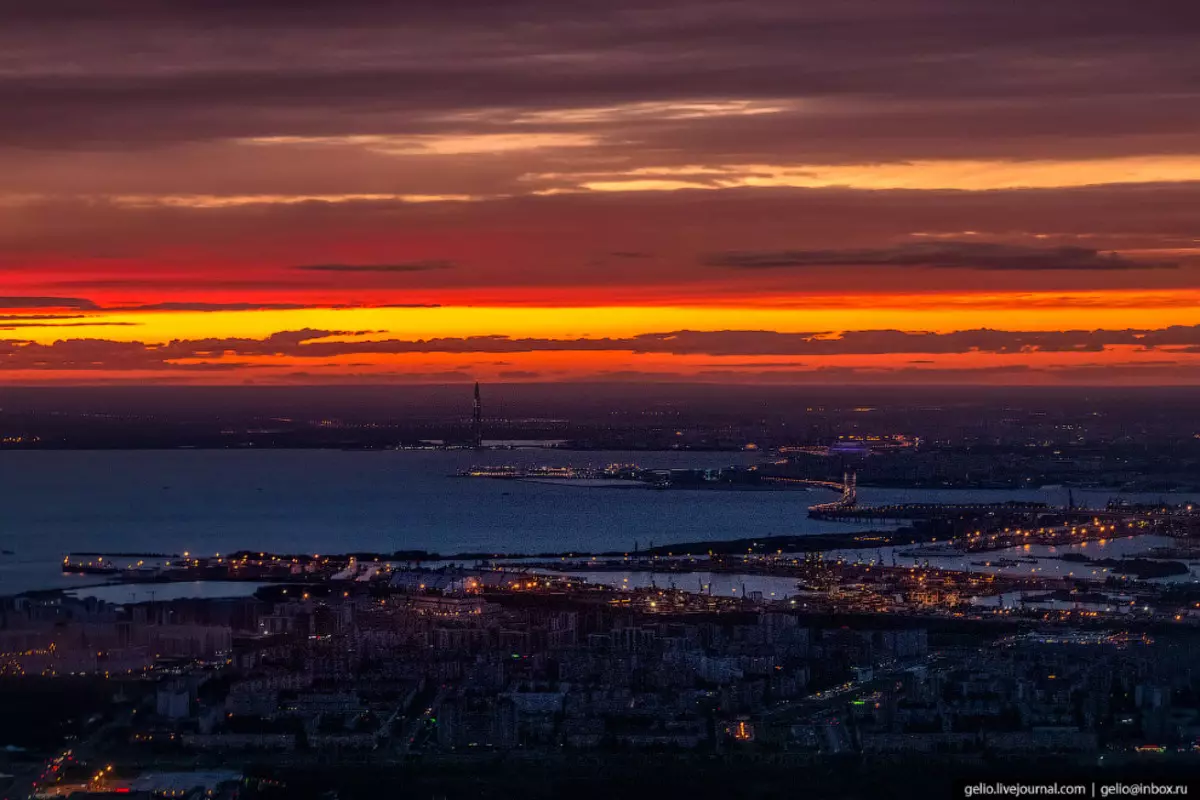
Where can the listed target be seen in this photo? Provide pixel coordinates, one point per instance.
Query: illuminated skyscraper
(477, 420)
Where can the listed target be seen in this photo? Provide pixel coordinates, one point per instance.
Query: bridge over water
(847, 509)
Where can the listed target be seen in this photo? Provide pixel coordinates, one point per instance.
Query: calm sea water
(209, 501)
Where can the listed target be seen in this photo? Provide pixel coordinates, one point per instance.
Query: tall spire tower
(477, 420)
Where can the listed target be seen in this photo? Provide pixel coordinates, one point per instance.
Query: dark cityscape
(993, 637)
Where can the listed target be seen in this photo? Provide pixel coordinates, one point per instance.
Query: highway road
(39, 780)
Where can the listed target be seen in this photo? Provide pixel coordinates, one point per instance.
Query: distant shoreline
(865, 481)
(788, 543)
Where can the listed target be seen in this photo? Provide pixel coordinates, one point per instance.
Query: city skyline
(776, 193)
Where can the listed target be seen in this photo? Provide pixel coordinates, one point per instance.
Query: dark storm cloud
(878, 342)
(200, 306)
(47, 302)
(1172, 336)
(91, 354)
(315, 343)
(282, 343)
(176, 283)
(410, 266)
(943, 255)
(674, 226)
(188, 306)
(773, 343)
(126, 72)
(1010, 374)
(372, 378)
(1083, 374)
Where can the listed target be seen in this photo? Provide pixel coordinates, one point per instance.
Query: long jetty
(911, 511)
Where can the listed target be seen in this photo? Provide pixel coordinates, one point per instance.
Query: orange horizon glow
(827, 317)
(930, 312)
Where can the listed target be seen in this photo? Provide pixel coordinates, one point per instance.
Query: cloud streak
(409, 266)
(47, 302)
(326, 344)
(942, 255)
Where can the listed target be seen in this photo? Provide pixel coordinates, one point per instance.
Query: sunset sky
(773, 191)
